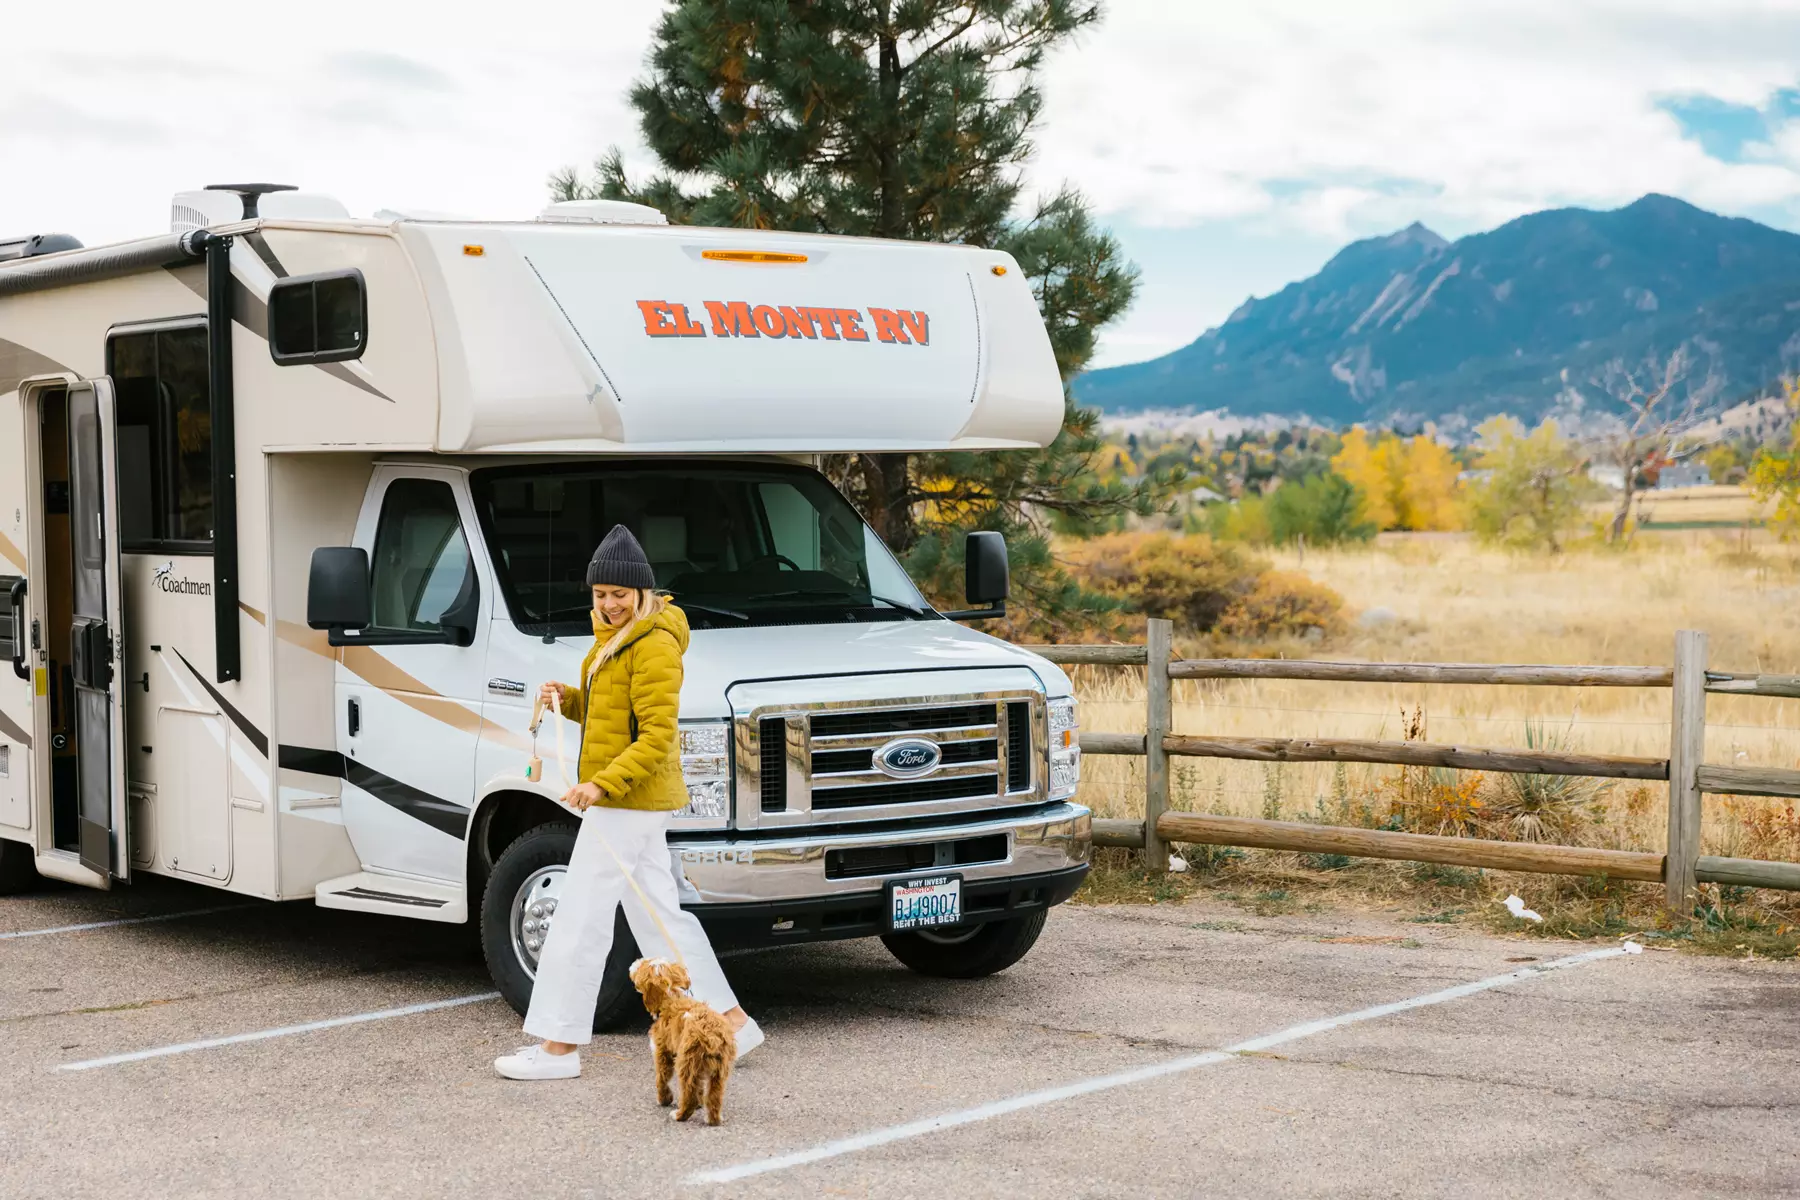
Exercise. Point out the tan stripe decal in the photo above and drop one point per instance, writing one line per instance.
(15, 732)
(11, 553)
(22, 362)
(378, 672)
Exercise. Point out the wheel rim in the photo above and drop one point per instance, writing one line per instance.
(533, 905)
(954, 935)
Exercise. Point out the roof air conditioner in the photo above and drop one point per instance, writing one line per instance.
(601, 212)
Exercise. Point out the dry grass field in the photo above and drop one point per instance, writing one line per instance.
(1696, 506)
(1442, 598)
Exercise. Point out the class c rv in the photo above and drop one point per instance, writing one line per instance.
(295, 510)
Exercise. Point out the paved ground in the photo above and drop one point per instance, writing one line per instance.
(1650, 1075)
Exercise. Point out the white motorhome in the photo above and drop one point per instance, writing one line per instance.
(294, 515)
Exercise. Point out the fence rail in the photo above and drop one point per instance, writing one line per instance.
(1680, 870)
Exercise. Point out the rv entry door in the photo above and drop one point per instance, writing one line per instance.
(94, 633)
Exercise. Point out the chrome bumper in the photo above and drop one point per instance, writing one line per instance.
(1042, 841)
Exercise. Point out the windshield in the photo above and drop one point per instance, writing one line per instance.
(736, 545)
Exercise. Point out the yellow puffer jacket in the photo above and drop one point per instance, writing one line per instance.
(627, 710)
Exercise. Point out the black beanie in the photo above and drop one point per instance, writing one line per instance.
(620, 562)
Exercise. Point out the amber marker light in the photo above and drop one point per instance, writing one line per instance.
(474, 251)
(998, 270)
(751, 256)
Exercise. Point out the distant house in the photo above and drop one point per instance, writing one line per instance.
(1683, 475)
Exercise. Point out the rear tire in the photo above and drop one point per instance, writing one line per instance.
(18, 871)
(533, 858)
(970, 952)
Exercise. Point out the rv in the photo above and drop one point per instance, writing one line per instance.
(295, 509)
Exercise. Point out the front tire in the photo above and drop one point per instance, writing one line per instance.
(970, 952)
(529, 875)
(18, 870)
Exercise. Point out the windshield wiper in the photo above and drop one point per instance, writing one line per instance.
(713, 608)
(903, 606)
(827, 594)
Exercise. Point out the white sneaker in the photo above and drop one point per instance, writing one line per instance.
(535, 1062)
(748, 1038)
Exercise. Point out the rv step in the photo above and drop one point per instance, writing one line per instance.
(363, 892)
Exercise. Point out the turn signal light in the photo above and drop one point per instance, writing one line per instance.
(474, 251)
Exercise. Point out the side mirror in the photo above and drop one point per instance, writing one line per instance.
(337, 589)
(986, 581)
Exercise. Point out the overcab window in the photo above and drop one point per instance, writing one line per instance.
(165, 438)
(318, 318)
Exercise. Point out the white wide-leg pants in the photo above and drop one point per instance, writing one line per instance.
(573, 961)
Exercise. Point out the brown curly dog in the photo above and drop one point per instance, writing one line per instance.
(687, 1039)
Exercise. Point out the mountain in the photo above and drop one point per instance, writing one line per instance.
(1409, 327)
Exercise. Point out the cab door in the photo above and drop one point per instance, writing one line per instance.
(95, 639)
(409, 690)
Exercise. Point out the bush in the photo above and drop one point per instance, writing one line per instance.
(1324, 509)
(1245, 520)
(1284, 604)
(1193, 581)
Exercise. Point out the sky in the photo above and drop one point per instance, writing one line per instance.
(1232, 147)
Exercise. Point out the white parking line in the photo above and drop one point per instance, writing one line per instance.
(998, 1108)
(285, 1031)
(176, 916)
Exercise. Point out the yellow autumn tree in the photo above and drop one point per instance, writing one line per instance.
(1406, 483)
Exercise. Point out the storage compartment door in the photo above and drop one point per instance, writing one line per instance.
(193, 792)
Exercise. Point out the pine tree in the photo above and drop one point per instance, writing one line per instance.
(900, 119)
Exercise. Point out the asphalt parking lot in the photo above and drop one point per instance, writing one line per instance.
(1174, 1051)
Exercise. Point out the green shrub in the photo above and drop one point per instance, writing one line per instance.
(1245, 520)
(1324, 509)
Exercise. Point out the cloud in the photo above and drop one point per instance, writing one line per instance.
(359, 100)
(1354, 118)
(382, 68)
(39, 117)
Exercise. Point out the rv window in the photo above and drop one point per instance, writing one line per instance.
(422, 571)
(164, 439)
(318, 318)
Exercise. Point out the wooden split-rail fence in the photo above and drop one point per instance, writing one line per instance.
(1688, 775)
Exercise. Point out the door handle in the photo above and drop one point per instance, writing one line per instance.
(353, 719)
(16, 597)
(93, 646)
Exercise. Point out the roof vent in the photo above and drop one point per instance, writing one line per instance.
(31, 247)
(601, 212)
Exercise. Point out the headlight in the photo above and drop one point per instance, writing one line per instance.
(706, 769)
(1065, 748)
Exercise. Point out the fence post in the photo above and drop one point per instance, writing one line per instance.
(1158, 635)
(1687, 749)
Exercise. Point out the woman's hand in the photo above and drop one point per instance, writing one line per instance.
(582, 795)
(550, 696)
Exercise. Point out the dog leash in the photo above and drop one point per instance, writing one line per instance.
(534, 771)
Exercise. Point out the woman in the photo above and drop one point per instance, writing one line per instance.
(626, 705)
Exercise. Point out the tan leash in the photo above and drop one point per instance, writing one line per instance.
(534, 770)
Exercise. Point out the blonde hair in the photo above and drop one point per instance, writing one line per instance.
(649, 603)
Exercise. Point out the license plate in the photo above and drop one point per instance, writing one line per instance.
(925, 903)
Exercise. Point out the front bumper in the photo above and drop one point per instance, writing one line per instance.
(828, 884)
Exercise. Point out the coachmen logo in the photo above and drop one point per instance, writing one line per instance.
(908, 758)
(164, 580)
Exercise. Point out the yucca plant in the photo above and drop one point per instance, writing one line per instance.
(1544, 808)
